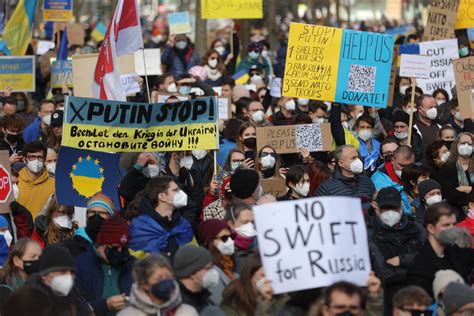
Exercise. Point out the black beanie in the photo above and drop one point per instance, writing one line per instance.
(56, 258)
(401, 116)
(426, 186)
(244, 182)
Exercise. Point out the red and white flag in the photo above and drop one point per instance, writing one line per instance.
(123, 36)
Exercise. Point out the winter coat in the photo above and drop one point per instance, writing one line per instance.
(79, 243)
(178, 64)
(448, 179)
(34, 193)
(6, 146)
(382, 180)
(199, 300)
(468, 223)
(216, 291)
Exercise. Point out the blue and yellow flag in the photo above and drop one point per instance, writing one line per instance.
(19, 28)
(82, 173)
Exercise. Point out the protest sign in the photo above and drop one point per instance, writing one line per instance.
(82, 173)
(130, 83)
(464, 74)
(332, 64)
(6, 185)
(179, 23)
(61, 72)
(43, 47)
(18, 73)
(57, 10)
(393, 75)
(313, 243)
(465, 17)
(83, 71)
(275, 87)
(152, 60)
(225, 9)
(415, 66)
(75, 34)
(290, 138)
(441, 19)
(275, 187)
(113, 126)
(225, 108)
(163, 97)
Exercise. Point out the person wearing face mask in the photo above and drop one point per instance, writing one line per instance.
(317, 110)
(456, 174)
(400, 132)
(50, 162)
(104, 271)
(160, 228)
(464, 47)
(56, 276)
(297, 181)
(429, 193)
(164, 84)
(6, 239)
(390, 174)
(394, 239)
(38, 129)
(343, 299)
(369, 148)
(215, 68)
(34, 184)
(468, 223)
(254, 111)
(196, 275)
(456, 121)
(447, 134)
(411, 300)
(216, 237)
(441, 96)
(412, 176)
(21, 262)
(55, 131)
(425, 119)
(436, 254)
(24, 107)
(256, 77)
(254, 58)
(11, 138)
(285, 116)
(179, 55)
(340, 129)
(247, 142)
(268, 165)
(436, 156)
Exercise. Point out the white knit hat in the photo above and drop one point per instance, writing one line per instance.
(443, 278)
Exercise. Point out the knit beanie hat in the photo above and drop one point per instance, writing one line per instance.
(56, 258)
(239, 92)
(426, 186)
(198, 71)
(443, 278)
(209, 229)
(456, 296)
(113, 231)
(401, 116)
(244, 182)
(3, 222)
(102, 201)
(190, 259)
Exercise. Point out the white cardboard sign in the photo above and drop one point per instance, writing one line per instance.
(414, 66)
(153, 62)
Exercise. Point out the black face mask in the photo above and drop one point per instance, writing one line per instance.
(163, 290)
(268, 173)
(93, 226)
(12, 139)
(346, 313)
(116, 258)
(250, 142)
(448, 143)
(30, 267)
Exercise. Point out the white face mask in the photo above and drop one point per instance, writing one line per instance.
(181, 45)
(303, 102)
(256, 79)
(434, 199)
(16, 191)
(359, 115)
(180, 199)
(220, 50)
(319, 120)
(432, 113)
(151, 171)
(445, 156)
(246, 230)
(365, 135)
(210, 278)
(63, 221)
(46, 119)
(290, 105)
(267, 162)
(345, 124)
(439, 102)
(212, 63)
(302, 190)
(398, 173)
(51, 167)
(357, 166)
(62, 284)
(465, 150)
(35, 166)
(258, 116)
(172, 88)
(8, 237)
(186, 162)
(226, 248)
(265, 54)
(401, 135)
(407, 110)
(403, 89)
(458, 116)
(390, 218)
(199, 154)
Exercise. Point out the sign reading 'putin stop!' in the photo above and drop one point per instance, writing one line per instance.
(5, 184)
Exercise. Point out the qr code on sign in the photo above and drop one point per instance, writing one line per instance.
(361, 78)
(309, 136)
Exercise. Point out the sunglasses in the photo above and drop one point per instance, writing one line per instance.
(268, 154)
(224, 238)
(418, 312)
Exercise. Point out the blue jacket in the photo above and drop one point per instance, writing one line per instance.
(177, 65)
(382, 180)
(90, 279)
(32, 131)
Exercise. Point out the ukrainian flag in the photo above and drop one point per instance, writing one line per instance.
(19, 28)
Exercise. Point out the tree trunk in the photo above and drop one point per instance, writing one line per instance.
(294, 8)
(245, 37)
(201, 31)
(271, 12)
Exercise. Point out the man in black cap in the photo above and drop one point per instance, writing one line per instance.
(56, 278)
(429, 192)
(245, 187)
(394, 240)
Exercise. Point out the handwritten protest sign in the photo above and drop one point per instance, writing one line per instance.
(152, 59)
(464, 74)
(415, 66)
(290, 138)
(441, 20)
(44, 46)
(61, 72)
(6, 185)
(312, 243)
(331, 64)
(130, 83)
(18, 73)
(465, 17)
(275, 87)
(179, 23)
(225, 9)
(57, 10)
(111, 126)
(224, 107)
(275, 187)
(393, 75)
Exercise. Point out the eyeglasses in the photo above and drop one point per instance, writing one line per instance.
(264, 154)
(33, 157)
(344, 308)
(237, 160)
(104, 214)
(414, 312)
(224, 238)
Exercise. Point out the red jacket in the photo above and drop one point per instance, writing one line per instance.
(469, 224)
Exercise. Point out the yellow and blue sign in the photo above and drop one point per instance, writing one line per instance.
(179, 23)
(57, 10)
(61, 72)
(18, 73)
(114, 126)
(83, 173)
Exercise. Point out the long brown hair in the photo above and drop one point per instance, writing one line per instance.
(227, 165)
(242, 128)
(277, 162)
(53, 234)
(220, 63)
(240, 295)
(454, 156)
(18, 250)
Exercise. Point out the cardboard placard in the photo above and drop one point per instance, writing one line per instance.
(61, 72)
(441, 19)
(286, 139)
(312, 243)
(414, 66)
(464, 74)
(275, 187)
(75, 34)
(18, 73)
(225, 9)
(83, 71)
(130, 83)
(465, 17)
(152, 60)
(179, 23)
(6, 185)
(225, 108)
(393, 75)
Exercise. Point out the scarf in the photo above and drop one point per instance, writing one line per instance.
(391, 173)
(213, 74)
(462, 179)
(370, 158)
(227, 266)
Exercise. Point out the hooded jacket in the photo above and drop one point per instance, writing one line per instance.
(34, 193)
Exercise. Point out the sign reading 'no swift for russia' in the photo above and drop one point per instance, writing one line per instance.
(332, 64)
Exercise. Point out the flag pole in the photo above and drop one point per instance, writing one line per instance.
(412, 105)
(146, 76)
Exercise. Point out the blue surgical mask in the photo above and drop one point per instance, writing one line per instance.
(254, 55)
(184, 90)
(463, 52)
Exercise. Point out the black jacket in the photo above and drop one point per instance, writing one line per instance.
(77, 245)
(448, 179)
(198, 300)
(278, 119)
(358, 186)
